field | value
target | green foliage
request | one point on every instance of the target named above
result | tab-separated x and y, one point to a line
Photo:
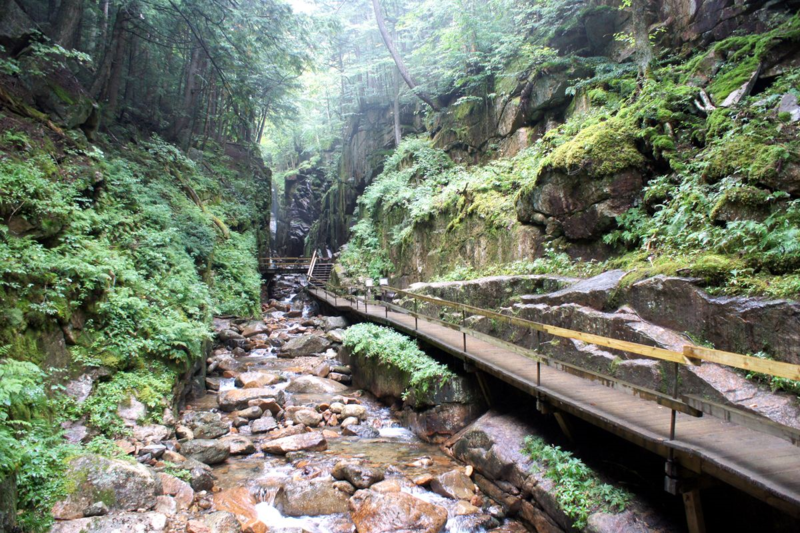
744	53
117	244
363	256
773	382
236	284
552	262
420	182
40	480
119	240
174	470
32	446
578	490
22	397
409	177
152	386
398	351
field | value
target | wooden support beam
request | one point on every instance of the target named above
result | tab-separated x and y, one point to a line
694	511
484	388
565	424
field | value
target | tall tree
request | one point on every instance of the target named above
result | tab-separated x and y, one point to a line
66	23
398	60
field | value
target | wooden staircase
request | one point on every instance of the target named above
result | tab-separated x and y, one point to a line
319	272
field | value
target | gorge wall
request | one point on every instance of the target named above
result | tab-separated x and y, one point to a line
585	139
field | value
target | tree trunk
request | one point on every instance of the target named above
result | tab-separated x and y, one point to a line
101	80
401	67
105	21
111	94
8	503
262	123
641	35
189	92
398	134
66	23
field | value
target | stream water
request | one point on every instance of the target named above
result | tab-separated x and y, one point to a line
250	484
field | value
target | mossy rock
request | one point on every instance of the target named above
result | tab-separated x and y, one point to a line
599	150
120	485
747	156
742	203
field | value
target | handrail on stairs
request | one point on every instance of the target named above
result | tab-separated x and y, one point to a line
313	263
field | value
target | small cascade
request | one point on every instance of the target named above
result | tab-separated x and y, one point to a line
227	384
275	208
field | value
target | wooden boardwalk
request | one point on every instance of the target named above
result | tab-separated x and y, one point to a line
763	465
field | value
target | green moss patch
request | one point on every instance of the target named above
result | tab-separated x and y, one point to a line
602	149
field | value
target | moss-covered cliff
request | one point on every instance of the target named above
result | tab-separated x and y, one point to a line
587	162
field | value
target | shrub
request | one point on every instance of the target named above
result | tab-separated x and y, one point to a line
396	350
578	489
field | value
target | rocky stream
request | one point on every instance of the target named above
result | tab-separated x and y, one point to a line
280	442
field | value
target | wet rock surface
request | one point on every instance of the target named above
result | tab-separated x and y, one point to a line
118	485
374	512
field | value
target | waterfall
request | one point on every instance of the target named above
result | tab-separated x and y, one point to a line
273	219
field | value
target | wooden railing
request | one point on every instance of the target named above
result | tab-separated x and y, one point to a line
311	265
284	263
690	355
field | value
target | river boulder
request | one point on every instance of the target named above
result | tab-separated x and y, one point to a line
315	385
234	399
334	322
304	345
222	522
455	485
375	512
134	522
304	497
312	441
239	445
359	475
306	416
177	488
211	431
263	424
255	327
206	451
257	379
119	485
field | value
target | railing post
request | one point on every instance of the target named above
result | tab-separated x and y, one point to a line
415	315
385	303
674	412
671	479
366	301
463	325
